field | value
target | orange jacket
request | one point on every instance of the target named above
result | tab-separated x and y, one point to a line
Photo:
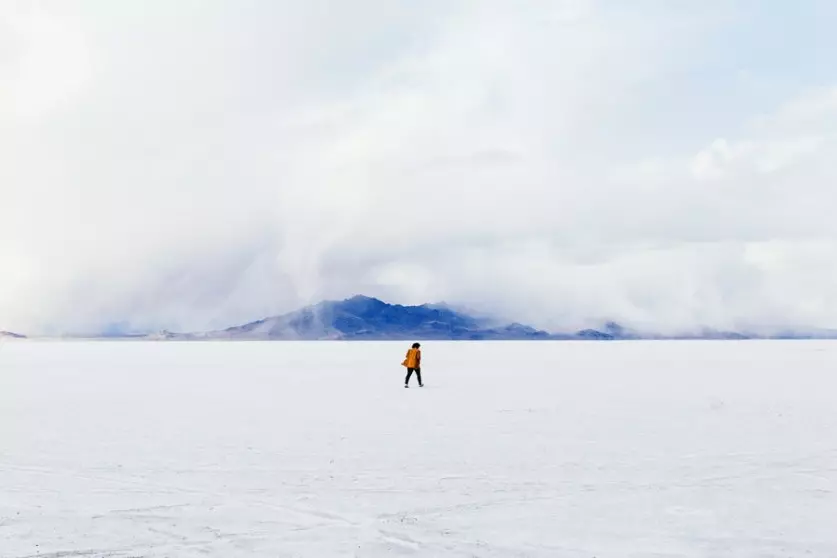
413	359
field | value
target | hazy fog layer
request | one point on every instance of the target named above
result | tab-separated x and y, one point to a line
192	165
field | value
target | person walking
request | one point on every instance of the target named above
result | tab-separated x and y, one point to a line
413	364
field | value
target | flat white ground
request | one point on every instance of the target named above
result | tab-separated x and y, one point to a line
582	450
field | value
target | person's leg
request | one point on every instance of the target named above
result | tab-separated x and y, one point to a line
418	376
407	379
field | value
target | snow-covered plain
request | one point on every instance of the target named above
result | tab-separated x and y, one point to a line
582	450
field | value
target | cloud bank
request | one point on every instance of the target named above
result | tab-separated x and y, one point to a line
197	165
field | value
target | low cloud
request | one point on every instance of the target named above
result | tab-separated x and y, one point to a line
560	163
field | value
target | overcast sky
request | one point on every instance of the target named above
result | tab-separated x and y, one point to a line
197	164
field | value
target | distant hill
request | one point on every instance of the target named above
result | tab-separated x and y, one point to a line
365	318
11	335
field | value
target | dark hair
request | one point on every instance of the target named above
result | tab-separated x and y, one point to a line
416	345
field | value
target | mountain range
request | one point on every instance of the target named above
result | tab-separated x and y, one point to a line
366	318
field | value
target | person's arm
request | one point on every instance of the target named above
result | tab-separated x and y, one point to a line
418	358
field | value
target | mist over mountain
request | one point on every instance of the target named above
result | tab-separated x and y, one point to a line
367	318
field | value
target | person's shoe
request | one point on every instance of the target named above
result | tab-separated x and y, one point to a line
421	385
406	386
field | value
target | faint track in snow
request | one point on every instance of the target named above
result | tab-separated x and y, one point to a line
399	539
142	510
312	513
98	553
463	507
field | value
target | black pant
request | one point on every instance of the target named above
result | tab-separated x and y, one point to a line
410	373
